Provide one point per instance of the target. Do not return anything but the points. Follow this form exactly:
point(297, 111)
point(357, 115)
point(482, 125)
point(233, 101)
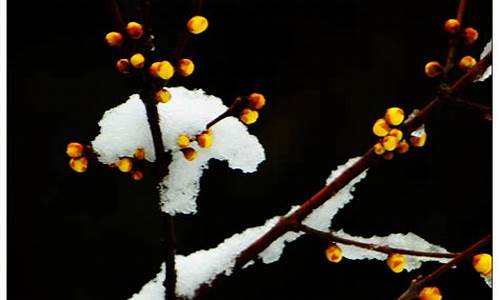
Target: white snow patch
point(125, 129)
point(408, 241)
point(488, 280)
point(487, 73)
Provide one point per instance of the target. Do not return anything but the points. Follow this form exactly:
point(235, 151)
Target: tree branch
point(454, 39)
point(286, 224)
point(417, 284)
point(331, 237)
point(484, 110)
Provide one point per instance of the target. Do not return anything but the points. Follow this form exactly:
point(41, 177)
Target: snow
point(409, 241)
point(487, 73)
point(203, 266)
point(125, 129)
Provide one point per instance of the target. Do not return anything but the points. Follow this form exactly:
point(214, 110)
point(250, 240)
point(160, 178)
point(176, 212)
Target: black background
point(328, 70)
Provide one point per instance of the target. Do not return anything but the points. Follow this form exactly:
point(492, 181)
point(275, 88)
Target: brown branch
point(115, 10)
point(286, 224)
point(454, 39)
point(231, 111)
point(417, 284)
point(331, 237)
point(484, 110)
point(186, 35)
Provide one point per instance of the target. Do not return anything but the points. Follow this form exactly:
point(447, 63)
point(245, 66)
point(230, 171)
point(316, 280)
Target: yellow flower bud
point(163, 96)
point(333, 253)
point(418, 138)
point(396, 133)
point(135, 30)
point(378, 149)
point(396, 262)
point(114, 39)
point(197, 24)
point(470, 35)
point(185, 67)
point(189, 153)
point(123, 66)
point(137, 60)
point(388, 155)
point(403, 147)
point(430, 293)
point(79, 164)
point(256, 100)
point(204, 140)
point(139, 154)
point(162, 69)
point(482, 263)
point(137, 175)
point(125, 164)
point(433, 69)
point(394, 116)
point(381, 128)
point(390, 142)
point(183, 140)
point(467, 63)
point(452, 26)
point(74, 150)
point(249, 116)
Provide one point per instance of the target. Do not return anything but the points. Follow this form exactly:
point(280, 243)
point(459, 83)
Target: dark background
point(328, 70)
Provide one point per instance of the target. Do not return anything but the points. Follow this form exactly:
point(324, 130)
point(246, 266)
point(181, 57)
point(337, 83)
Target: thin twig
point(331, 237)
point(286, 224)
point(454, 39)
point(417, 284)
point(485, 111)
point(183, 40)
point(235, 106)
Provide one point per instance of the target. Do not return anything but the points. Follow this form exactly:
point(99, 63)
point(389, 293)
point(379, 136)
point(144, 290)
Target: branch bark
point(419, 283)
point(454, 39)
point(331, 237)
point(286, 224)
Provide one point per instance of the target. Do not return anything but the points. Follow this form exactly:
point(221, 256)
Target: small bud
point(139, 154)
point(135, 30)
point(418, 139)
point(204, 140)
point(114, 39)
point(467, 63)
point(79, 164)
point(396, 262)
point(163, 96)
point(125, 164)
point(183, 140)
point(388, 155)
point(390, 142)
point(137, 175)
point(396, 133)
point(381, 128)
point(482, 263)
point(189, 153)
point(452, 26)
point(394, 116)
point(249, 116)
point(137, 60)
point(470, 35)
point(162, 69)
point(333, 253)
point(74, 150)
point(403, 147)
point(123, 66)
point(433, 69)
point(256, 100)
point(185, 67)
point(430, 293)
point(378, 149)
point(197, 24)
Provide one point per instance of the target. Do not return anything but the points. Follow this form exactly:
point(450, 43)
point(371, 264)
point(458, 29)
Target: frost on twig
point(125, 129)
point(203, 266)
